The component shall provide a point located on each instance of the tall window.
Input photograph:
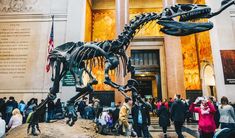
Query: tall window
(145, 57)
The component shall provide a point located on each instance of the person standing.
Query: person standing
(158, 104)
(51, 109)
(116, 113)
(124, 113)
(206, 111)
(141, 118)
(43, 112)
(29, 108)
(58, 112)
(164, 118)
(81, 107)
(227, 116)
(2, 126)
(217, 114)
(154, 109)
(22, 107)
(178, 115)
(96, 106)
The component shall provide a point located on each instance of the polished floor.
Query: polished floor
(189, 130)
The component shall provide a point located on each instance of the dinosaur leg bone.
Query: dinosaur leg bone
(34, 119)
(70, 110)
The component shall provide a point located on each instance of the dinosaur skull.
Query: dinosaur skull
(177, 20)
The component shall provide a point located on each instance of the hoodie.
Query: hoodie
(206, 121)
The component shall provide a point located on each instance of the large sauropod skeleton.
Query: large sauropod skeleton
(73, 57)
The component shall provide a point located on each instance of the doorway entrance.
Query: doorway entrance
(208, 80)
(147, 72)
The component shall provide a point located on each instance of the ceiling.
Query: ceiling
(110, 4)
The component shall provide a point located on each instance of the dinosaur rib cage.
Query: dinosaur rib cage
(74, 53)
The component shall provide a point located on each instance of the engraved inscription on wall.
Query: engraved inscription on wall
(20, 57)
(13, 51)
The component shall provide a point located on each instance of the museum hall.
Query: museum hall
(200, 64)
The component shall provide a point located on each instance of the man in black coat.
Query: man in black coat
(164, 118)
(141, 118)
(178, 111)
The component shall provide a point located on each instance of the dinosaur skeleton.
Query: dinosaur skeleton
(81, 57)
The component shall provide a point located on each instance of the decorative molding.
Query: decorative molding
(32, 17)
(2, 91)
(232, 13)
(9, 6)
(151, 42)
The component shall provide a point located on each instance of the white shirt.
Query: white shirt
(227, 114)
(2, 127)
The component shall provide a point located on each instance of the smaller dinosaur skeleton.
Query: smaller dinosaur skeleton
(74, 57)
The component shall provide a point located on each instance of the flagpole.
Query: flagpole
(50, 44)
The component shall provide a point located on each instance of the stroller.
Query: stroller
(105, 126)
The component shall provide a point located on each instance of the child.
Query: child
(109, 119)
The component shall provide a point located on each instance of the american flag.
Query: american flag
(50, 44)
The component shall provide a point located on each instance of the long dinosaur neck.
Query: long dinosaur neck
(134, 26)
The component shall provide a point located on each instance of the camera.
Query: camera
(201, 98)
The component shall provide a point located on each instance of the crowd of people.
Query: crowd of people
(14, 114)
(212, 114)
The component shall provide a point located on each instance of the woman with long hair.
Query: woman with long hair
(227, 116)
(16, 119)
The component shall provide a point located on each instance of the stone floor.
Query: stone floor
(189, 130)
(85, 129)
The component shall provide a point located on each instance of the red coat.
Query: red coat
(158, 105)
(206, 122)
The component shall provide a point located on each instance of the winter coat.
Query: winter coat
(22, 107)
(144, 109)
(158, 105)
(206, 122)
(123, 114)
(164, 116)
(178, 111)
(217, 115)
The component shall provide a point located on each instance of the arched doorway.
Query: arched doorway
(208, 80)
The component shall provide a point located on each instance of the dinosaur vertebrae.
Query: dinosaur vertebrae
(134, 26)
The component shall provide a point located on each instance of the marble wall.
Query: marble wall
(24, 34)
(222, 38)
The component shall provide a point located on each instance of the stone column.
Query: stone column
(222, 38)
(122, 18)
(122, 15)
(174, 62)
